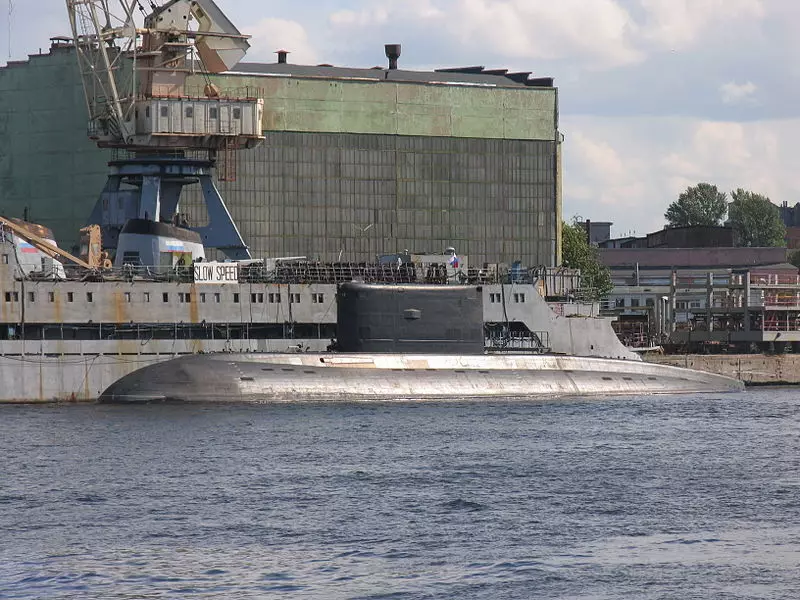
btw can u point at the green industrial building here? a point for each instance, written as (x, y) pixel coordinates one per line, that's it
(356, 162)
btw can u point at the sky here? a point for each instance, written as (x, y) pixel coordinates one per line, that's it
(655, 95)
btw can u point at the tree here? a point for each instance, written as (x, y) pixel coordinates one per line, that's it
(756, 221)
(794, 258)
(702, 204)
(578, 254)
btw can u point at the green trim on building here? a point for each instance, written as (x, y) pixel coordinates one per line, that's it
(397, 108)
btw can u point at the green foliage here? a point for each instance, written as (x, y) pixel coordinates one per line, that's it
(794, 258)
(578, 254)
(702, 204)
(756, 221)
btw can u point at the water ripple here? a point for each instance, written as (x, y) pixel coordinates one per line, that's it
(673, 497)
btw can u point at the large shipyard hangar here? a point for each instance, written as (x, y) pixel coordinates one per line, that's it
(356, 162)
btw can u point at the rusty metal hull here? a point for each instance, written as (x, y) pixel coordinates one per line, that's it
(321, 377)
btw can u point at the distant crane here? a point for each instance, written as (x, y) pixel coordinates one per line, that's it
(135, 81)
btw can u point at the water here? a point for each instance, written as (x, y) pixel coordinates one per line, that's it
(653, 497)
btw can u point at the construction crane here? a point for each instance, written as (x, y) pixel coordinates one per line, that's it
(134, 66)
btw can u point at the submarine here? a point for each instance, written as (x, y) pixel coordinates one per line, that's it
(404, 342)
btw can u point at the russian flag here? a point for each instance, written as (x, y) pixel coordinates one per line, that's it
(27, 248)
(453, 261)
(174, 246)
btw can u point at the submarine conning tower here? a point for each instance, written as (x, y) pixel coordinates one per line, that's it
(410, 319)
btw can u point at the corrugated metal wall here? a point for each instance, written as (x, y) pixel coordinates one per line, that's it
(359, 195)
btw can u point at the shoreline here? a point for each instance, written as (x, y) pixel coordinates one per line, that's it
(753, 369)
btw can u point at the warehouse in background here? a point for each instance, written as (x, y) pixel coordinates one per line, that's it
(356, 162)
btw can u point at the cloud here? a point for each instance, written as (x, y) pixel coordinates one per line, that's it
(269, 35)
(595, 32)
(628, 170)
(682, 24)
(734, 93)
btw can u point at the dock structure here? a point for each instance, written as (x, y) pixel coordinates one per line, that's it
(713, 310)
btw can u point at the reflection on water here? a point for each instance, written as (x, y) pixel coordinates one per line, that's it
(614, 498)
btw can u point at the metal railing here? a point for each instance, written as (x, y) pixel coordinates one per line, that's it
(536, 341)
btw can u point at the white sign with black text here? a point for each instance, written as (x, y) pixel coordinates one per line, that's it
(216, 272)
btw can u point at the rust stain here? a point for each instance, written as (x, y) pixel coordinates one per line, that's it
(119, 307)
(194, 310)
(87, 368)
(57, 306)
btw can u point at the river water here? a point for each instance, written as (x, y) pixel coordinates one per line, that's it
(651, 497)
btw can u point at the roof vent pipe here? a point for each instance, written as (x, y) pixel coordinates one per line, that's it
(282, 55)
(393, 53)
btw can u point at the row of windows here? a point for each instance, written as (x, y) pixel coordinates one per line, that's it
(183, 297)
(497, 298)
(634, 302)
(212, 112)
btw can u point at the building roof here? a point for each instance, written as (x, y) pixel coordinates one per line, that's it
(689, 258)
(469, 76)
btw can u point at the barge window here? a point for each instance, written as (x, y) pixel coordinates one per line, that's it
(203, 297)
(147, 296)
(5, 259)
(184, 297)
(236, 298)
(294, 298)
(164, 111)
(70, 296)
(216, 297)
(51, 296)
(257, 298)
(189, 112)
(634, 302)
(275, 298)
(165, 296)
(31, 297)
(212, 112)
(318, 298)
(90, 296)
(128, 297)
(12, 296)
(237, 113)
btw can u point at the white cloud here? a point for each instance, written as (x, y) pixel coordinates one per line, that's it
(269, 35)
(595, 32)
(681, 24)
(628, 170)
(735, 93)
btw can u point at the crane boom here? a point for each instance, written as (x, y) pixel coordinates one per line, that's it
(41, 244)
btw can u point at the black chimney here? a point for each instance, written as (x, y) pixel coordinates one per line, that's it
(282, 54)
(393, 53)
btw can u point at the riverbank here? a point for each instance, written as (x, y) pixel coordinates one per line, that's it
(753, 369)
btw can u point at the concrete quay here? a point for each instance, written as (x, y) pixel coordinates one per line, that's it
(752, 369)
